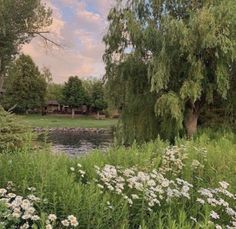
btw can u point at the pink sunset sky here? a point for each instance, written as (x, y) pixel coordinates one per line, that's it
(79, 26)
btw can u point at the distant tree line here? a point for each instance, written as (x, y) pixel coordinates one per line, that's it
(28, 89)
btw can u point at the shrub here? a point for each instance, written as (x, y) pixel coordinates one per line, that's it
(13, 135)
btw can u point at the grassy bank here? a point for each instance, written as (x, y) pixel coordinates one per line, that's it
(149, 186)
(50, 121)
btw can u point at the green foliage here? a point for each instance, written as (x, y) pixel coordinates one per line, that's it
(54, 92)
(66, 192)
(183, 47)
(25, 86)
(13, 134)
(19, 23)
(74, 92)
(97, 96)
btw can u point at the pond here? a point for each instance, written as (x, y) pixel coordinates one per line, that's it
(76, 142)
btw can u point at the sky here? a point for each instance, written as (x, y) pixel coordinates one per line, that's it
(78, 26)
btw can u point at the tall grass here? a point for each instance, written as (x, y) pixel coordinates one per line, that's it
(66, 192)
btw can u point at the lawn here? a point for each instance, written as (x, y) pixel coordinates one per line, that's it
(60, 122)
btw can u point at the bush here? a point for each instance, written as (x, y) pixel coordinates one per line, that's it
(13, 135)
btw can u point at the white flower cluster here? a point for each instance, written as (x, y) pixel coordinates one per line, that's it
(223, 203)
(134, 185)
(20, 209)
(172, 160)
(80, 172)
(70, 221)
(196, 164)
(21, 212)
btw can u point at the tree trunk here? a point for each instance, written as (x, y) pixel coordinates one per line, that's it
(190, 122)
(98, 115)
(73, 113)
(1, 84)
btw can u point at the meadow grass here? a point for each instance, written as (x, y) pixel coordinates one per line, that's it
(60, 182)
(51, 121)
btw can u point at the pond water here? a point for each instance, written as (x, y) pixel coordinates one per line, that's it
(76, 143)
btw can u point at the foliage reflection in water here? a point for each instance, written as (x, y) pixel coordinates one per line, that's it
(77, 143)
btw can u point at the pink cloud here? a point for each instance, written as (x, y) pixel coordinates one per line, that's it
(82, 41)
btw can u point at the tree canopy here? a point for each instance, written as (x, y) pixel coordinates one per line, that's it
(176, 55)
(73, 93)
(20, 21)
(98, 102)
(25, 86)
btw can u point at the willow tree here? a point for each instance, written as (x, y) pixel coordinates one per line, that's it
(186, 48)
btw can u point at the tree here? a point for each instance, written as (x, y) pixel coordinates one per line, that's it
(25, 86)
(54, 92)
(73, 93)
(178, 52)
(98, 102)
(20, 21)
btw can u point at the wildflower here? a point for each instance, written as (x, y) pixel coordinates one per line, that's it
(33, 189)
(24, 226)
(25, 204)
(11, 195)
(48, 226)
(52, 217)
(214, 215)
(165, 183)
(224, 184)
(73, 220)
(26, 216)
(134, 196)
(35, 218)
(16, 215)
(3, 191)
(201, 201)
(218, 226)
(65, 223)
(79, 165)
(100, 186)
(82, 173)
(72, 169)
(230, 212)
(33, 198)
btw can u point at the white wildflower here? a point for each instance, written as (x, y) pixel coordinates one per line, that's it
(3, 191)
(35, 218)
(214, 215)
(134, 196)
(65, 223)
(48, 226)
(25, 204)
(224, 184)
(25, 226)
(52, 217)
(16, 215)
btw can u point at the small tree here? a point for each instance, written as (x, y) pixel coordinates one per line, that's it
(73, 93)
(25, 86)
(98, 102)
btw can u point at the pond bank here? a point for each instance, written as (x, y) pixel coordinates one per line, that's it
(75, 130)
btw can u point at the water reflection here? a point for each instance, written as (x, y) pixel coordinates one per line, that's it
(77, 143)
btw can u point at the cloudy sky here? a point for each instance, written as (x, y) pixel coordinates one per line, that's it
(78, 26)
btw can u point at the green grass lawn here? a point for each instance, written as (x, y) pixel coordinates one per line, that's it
(60, 122)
